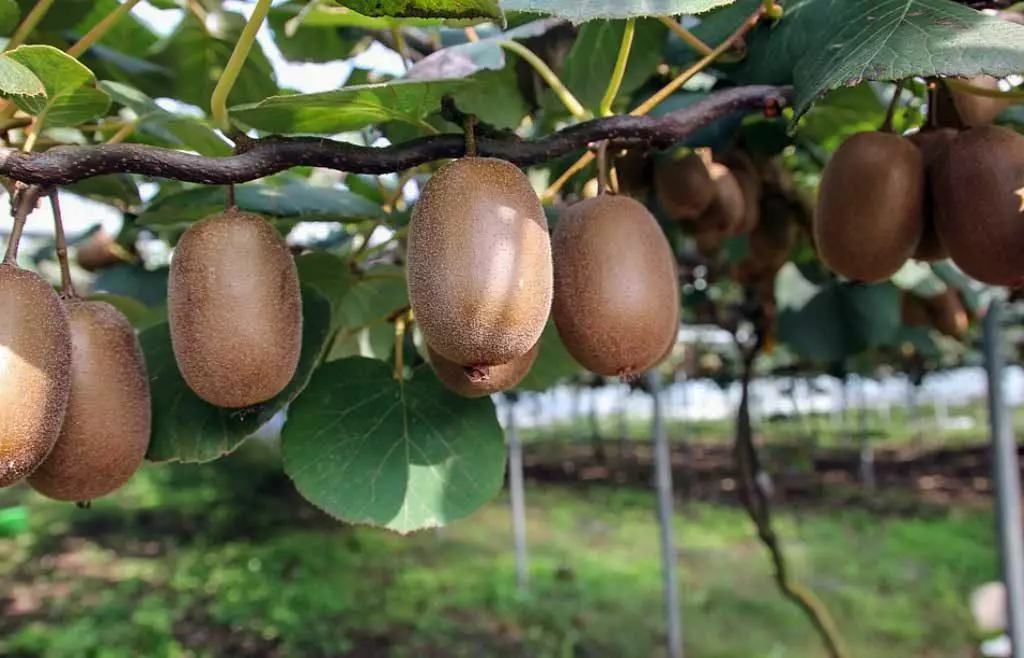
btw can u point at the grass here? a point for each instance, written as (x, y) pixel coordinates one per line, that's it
(895, 429)
(222, 560)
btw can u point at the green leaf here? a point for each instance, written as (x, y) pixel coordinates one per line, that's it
(115, 189)
(147, 286)
(462, 9)
(404, 455)
(591, 61)
(331, 277)
(70, 95)
(10, 17)
(347, 109)
(174, 129)
(198, 58)
(843, 112)
(920, 279)
(553, 364)
(579, 11)
(293, 200)
(380, 291)
(495, 97)
(18, 80)
(188, 429)
(308, 40)
(820, 45)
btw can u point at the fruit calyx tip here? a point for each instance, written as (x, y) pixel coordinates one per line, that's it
(477, 373)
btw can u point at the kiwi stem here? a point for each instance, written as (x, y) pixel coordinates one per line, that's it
(471, 136)
(576, 167)
(29, 24)
(688, 37)
(574, 107)
(26, 200)
(219, 99)
(101, 28)
(400, 347)
(605, 108)
(602, 167)
(890, 112)
(122, 133)
(232, 202)
(701, 64)
(67, 287)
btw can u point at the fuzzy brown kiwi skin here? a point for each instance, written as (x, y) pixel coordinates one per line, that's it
(616, 286)
(948, 315)
(931, 143)
(479, 262)
(235, 310)
(977, 184)
(977, 110)
(728, 209)
(468, 382)
(869, 215)
(35, 359)
(683, 186)
(106, 428)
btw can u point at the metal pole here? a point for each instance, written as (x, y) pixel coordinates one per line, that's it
(517, 494)
(663, 483)
(1007, 480)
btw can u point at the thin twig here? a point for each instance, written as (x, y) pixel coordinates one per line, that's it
(67, 287)
(29, 24)
(100, 29)
(758, 508)
(24, 202)
(890, 112)
(63, 165)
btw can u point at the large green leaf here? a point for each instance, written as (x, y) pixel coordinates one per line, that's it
(829, 323)
(295, 200)
(10, 16)
(405, 455)
(188, 429)
(347, 109)
(198, 58)
(70, 96)
(380, 291)
(579, 11)
(176, 129)
(66, 14)
(331, 277)
(589, 64)
(303, 36)
(820, 45)
(463, 9)
(116, 189)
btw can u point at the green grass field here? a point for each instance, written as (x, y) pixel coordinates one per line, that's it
(222, 560)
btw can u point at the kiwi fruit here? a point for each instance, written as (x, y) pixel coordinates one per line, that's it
(947, 314)
(977, 110)
(234, 309)
(683, 186)
(869, 216)
(931, 143)
(709, 242)
(977, 183)
(479, 262)
(751, 188)
(35, 359)
(107, 424)
(774, 233)
(913, 310)
(727, 211)
(616, 286)
(476, 383)
(97, 252)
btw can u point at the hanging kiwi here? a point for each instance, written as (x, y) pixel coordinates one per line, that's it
(234, 309)
(683, 186)
(728, 208)
(475, 383)
(869, 215)
(107, 424)
(616, 286)
(978, 188)
(746, 174)
(977, 110)
(479, 262)
(947, 314)
(634, 171)
(35, 359)
(931, 143)
(913, 310)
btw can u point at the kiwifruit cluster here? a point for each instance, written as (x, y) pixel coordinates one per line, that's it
(75, 420)
(935, 194)
(485, 274)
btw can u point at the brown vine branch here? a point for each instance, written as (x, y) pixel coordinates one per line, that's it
(63, 165)
(753, 497)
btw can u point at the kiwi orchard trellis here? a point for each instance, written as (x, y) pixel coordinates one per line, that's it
(46, 88)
